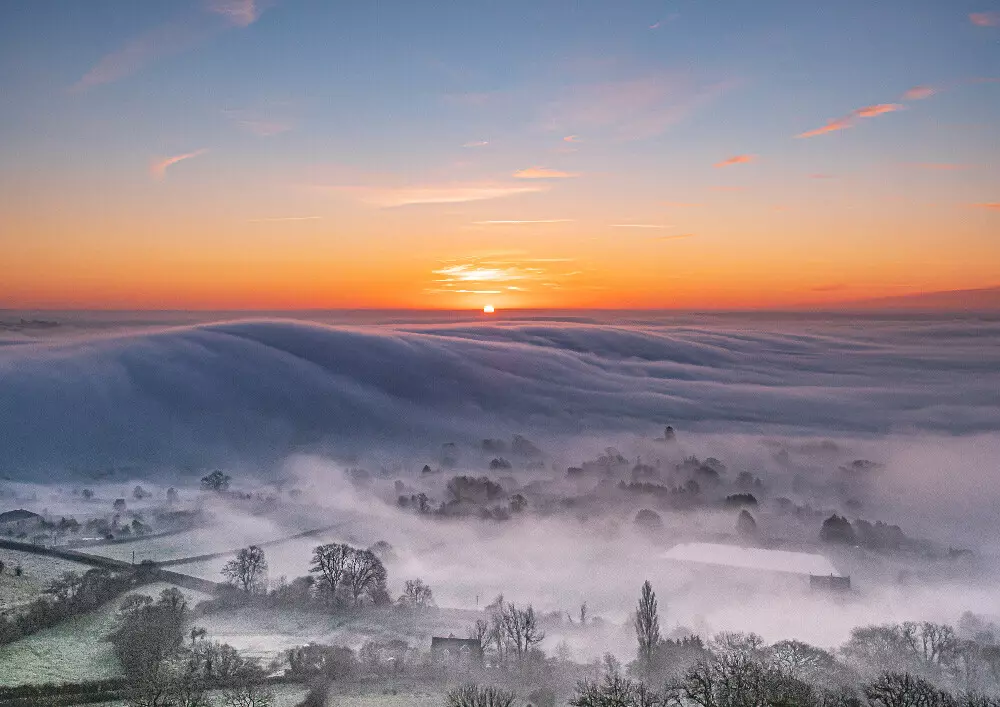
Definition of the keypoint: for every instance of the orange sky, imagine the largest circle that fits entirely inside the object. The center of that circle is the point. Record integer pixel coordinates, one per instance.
(149, 167)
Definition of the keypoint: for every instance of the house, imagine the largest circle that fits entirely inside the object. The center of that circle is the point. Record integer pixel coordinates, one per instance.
(451, 649)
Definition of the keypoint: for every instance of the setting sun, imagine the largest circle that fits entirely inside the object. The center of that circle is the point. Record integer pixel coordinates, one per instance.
(488, 309)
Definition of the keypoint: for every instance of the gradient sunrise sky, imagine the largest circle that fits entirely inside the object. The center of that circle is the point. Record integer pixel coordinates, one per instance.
(538, 153)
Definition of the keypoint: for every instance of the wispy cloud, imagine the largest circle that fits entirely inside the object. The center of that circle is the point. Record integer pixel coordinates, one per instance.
(991, 206)
(675, 237)
(941, 166)
(918, 93)
(476, 143)
(277, 219)
(832, 126)
(241, 13)
(175, 37)
(640, 225)
(985, 19)
(572, 138)
(514, 222)
(543, 173)
(850, 119)
(630, 109)
(158, 167)
(158, 43)
(738, 159)
(666, 20)
(877, 109)
(682, 204)
(451, 193)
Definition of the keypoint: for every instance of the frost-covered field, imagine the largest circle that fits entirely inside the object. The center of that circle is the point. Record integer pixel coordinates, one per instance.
(73, 651)
(38, 571)
(267, 633)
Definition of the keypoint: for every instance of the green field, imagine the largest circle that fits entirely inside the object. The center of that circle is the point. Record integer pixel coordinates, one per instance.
(73, 651)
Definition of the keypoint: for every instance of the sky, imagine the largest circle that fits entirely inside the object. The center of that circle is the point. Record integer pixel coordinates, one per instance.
(250, 154)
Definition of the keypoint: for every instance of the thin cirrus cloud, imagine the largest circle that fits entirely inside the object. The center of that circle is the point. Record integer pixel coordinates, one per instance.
(518, 222)
(737, 159)
(675, 237)
(919, 93)
(640, 225)
(985, 19)
(543, 173)
(849, 120)
(989, 206)
(629, 109)
(476, 143)
(168, 39)
(877, 109)
(451, 193)
(281, 219)
(572, 138)
(158, 168)
(941, 166)
(241, 13)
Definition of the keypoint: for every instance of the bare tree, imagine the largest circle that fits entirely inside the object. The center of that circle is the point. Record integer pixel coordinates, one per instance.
(520, 626)
(329, 562)
(416, 594)
(248, 570)
(364, 574)
(905, 690)
(738, 680)
(647, 625)
(474, 696)
(480, 631)
(803, 661)
(583, 614)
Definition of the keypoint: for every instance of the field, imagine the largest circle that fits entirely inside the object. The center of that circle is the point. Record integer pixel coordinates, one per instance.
(38, 572)
(268, 633)
(73, 651)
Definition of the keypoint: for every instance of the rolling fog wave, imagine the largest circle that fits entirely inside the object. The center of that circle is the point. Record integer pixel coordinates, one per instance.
(261, 389)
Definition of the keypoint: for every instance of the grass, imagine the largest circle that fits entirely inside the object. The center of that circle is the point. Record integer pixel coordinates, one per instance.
(73, 651)
(38, 572)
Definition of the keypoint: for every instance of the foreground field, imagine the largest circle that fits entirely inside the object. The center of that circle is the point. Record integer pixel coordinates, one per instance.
(76, 650)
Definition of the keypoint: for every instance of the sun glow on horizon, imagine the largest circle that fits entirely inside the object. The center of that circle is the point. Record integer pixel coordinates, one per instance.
(488, 309)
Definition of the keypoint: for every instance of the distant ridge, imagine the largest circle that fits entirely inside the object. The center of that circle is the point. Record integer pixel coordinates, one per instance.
(984, 299)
